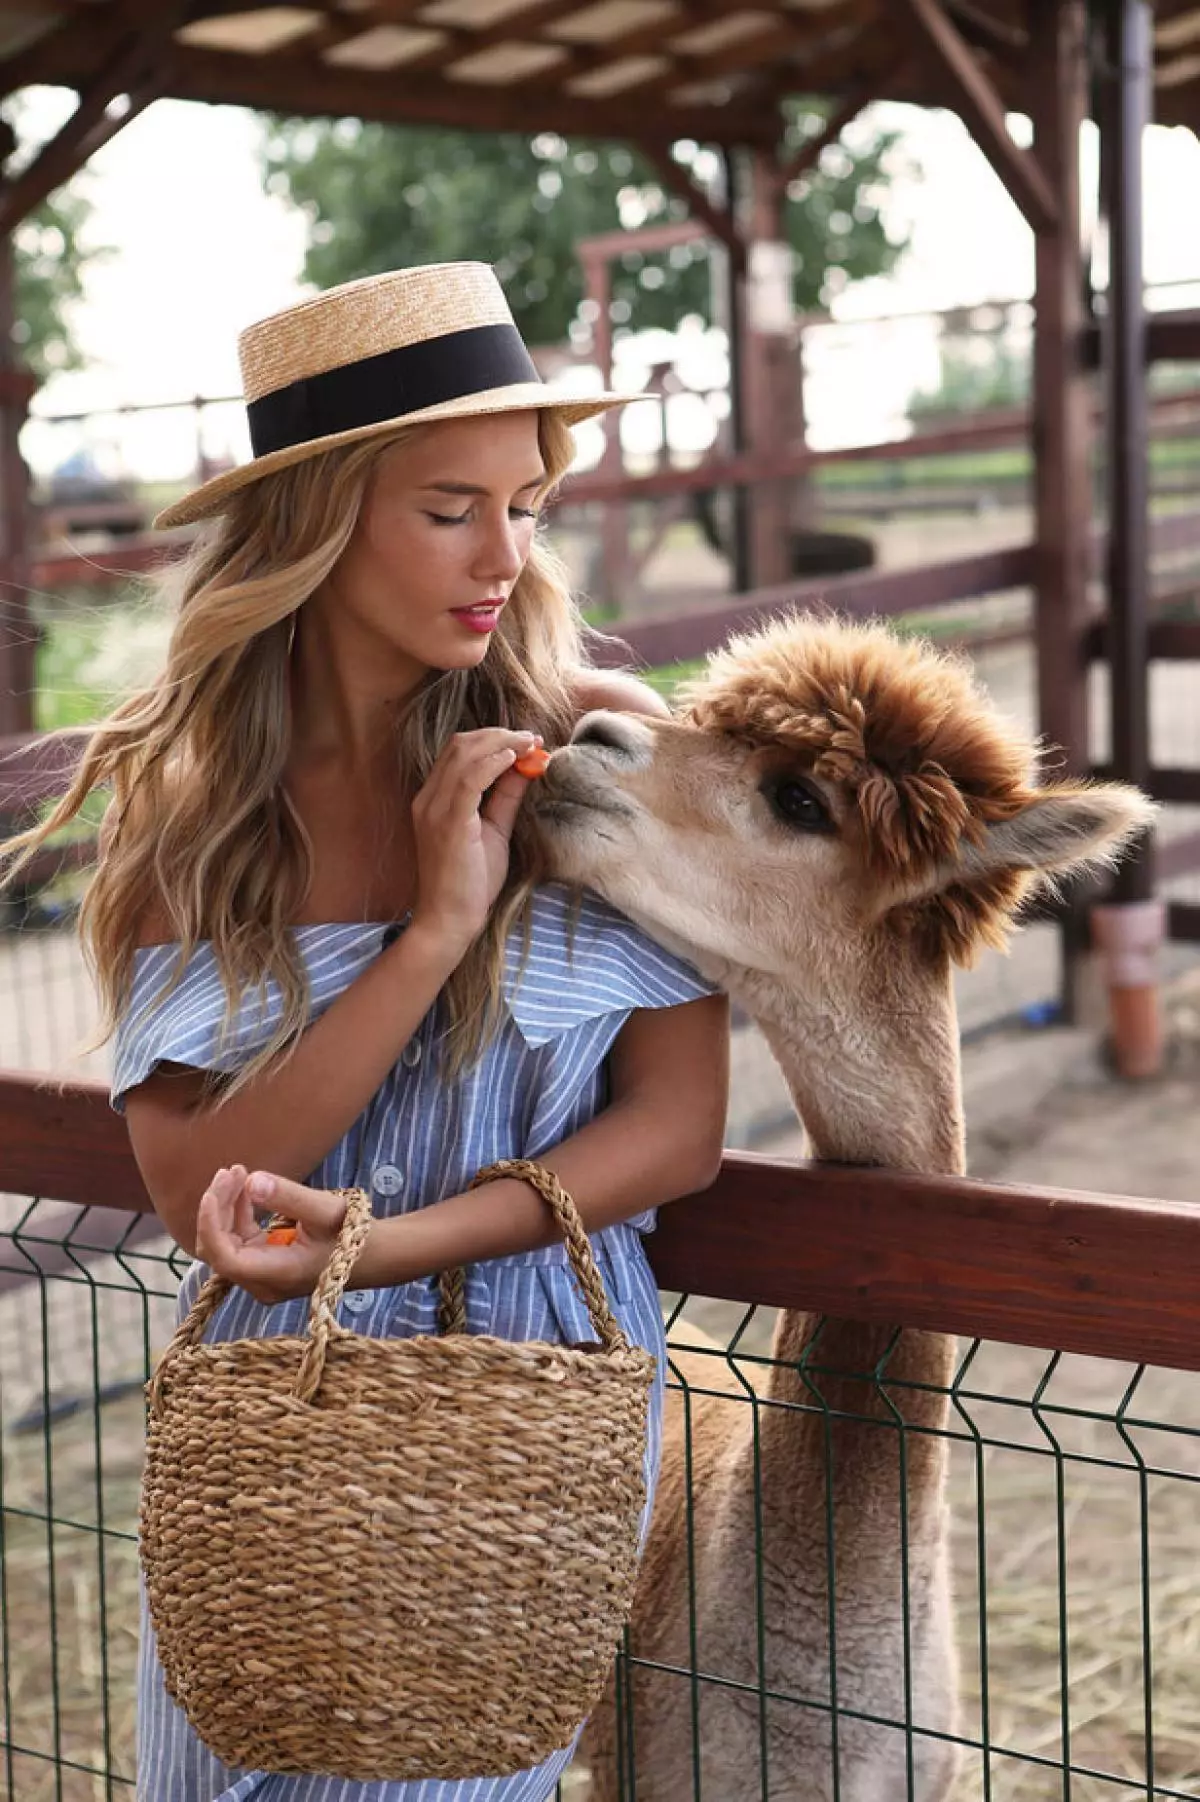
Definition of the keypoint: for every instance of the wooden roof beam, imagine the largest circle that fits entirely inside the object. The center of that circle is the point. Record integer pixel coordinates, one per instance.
(91, 125)
(307, 86)
(983, 110)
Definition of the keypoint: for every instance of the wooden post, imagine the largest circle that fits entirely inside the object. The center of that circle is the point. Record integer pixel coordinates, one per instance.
(614, 522)
(769, 365)
(18, 632)
(1130, 929)
(1058, 62)
(729, 310)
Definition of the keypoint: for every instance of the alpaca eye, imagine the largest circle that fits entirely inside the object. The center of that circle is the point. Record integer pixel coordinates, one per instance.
(796, 805)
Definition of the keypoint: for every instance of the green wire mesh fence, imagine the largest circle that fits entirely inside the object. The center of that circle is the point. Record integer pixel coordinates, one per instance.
(812, 1502)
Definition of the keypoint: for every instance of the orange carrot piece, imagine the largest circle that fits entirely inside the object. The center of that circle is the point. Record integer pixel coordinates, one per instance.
(534, 763)
(281, 1235)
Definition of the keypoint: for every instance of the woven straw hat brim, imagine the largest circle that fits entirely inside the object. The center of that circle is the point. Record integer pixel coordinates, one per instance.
(212, 496)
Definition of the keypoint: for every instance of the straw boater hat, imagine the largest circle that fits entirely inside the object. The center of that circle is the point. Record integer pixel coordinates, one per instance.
(436, 342)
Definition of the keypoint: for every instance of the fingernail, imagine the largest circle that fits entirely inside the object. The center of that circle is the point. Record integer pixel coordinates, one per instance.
(262, 1187)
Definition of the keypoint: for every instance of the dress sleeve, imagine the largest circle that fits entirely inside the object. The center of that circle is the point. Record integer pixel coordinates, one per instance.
(175, 1017)
(586, 962)
(184, 1023)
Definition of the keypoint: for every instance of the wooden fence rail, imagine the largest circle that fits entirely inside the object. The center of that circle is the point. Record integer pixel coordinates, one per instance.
(1104, 1275)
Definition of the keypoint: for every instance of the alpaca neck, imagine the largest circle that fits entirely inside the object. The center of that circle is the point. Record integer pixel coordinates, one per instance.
(873, 1085)
(879, 1085)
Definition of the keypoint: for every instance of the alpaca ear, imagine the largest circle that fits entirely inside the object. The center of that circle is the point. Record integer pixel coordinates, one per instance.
(1073, 826)
(1070, 827)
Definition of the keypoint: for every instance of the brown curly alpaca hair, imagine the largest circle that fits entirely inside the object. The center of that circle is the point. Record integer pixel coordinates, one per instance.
(909, 734)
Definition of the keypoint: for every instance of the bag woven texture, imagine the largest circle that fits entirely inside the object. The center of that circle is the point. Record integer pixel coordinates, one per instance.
(394, 1558)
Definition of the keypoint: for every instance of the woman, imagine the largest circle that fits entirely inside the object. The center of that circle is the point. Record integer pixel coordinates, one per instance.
(315, 923)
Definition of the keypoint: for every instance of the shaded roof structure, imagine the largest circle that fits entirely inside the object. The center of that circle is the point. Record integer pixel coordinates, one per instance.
(705, 69)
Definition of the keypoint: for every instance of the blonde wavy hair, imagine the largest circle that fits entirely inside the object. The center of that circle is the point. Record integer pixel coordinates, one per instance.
(199, 826)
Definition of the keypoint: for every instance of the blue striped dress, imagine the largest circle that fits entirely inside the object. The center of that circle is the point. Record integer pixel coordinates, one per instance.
(541, 1078)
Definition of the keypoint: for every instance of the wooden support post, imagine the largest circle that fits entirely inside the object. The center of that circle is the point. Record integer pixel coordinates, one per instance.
(614, 521)
(769, 366)
(729, 310)
(1061, 409)
(1129, 930)
(18, 632)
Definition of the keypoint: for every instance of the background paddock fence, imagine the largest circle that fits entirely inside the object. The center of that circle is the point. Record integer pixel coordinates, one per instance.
(1072, 1439)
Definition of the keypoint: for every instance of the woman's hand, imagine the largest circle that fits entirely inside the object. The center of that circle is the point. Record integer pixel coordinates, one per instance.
(231, 1241)
(462, 848)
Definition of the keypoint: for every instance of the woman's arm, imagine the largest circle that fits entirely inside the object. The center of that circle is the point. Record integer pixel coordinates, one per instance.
(659, 1138)
(618, 691)
(289, 1118)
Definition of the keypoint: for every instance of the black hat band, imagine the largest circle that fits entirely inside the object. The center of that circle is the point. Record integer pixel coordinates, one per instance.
(389, 386)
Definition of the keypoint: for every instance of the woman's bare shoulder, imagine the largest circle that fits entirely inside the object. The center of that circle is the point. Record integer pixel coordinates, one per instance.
(618, 690)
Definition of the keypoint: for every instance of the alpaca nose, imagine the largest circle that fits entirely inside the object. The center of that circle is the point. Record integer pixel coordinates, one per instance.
(619, 733)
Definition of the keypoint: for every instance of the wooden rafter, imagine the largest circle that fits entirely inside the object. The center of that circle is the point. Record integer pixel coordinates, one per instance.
(808, 154)
(718, 219)
(983, 111)
(137, 69)
(1010, 42)
(459, 42)
(763, 49)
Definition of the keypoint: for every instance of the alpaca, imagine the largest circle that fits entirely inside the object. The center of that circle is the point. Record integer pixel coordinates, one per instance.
(836, 818)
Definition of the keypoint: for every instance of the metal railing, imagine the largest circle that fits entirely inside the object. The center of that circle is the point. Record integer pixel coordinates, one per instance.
(1071, 1472)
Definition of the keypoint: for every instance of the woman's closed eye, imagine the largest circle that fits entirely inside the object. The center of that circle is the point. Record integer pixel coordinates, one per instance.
(461, 519)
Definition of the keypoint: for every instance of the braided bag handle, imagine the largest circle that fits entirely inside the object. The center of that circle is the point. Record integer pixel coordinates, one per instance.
(322, 1318)
(453, 1316)
(323, 1324)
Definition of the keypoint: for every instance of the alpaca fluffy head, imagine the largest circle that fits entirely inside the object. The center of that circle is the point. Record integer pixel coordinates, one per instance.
(931, 770)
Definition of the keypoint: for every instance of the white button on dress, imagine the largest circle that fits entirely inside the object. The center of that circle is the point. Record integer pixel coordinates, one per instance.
(387, 1180)
(357, 1301)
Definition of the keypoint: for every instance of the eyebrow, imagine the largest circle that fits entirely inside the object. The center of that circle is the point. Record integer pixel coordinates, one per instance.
(471, 488)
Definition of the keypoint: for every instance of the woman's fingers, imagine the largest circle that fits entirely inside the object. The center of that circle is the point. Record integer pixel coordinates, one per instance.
(469, 765)
(502, 806)
(319, 1211)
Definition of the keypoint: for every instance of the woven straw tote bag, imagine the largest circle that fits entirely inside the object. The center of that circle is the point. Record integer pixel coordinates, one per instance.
(394, 1558)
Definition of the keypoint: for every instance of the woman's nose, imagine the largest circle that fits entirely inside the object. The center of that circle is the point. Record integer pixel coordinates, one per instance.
(501, 557)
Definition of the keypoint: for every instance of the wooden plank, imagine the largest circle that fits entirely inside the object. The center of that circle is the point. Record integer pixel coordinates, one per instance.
(659, 641)
(63, 1142)
(983, 110)
(1172, 336)
(1107, 1276)
(133, 557)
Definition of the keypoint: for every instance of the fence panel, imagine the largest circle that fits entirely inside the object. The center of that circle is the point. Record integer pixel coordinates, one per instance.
(1070, 1477)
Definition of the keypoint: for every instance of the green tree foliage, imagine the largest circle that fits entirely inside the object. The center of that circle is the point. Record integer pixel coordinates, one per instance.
(48, 258)
(49, 262)
(378, 197)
